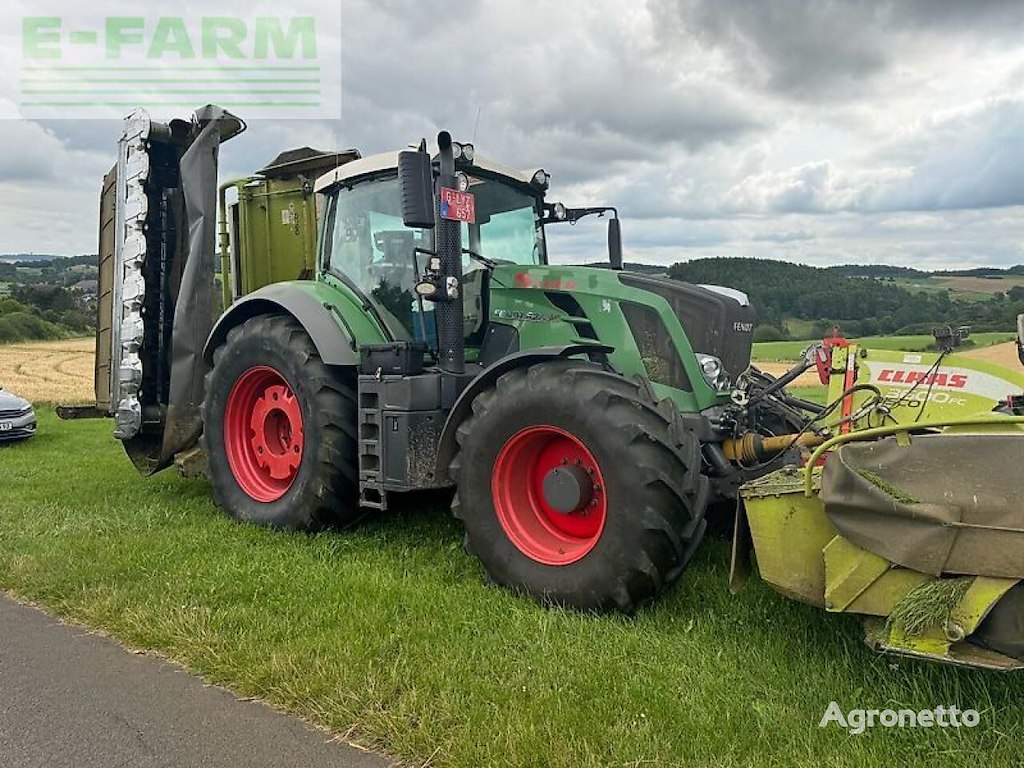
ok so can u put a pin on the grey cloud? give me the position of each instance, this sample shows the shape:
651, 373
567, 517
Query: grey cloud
790, 46
970, 160
597, 83
31, 153
831, 49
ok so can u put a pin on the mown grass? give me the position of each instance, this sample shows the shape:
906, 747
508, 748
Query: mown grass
388, 634
790, 350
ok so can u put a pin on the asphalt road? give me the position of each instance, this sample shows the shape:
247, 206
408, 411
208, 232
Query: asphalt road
70, 698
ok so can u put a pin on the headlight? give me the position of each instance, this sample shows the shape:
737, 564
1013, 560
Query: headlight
713, 371
541, 179
468, 152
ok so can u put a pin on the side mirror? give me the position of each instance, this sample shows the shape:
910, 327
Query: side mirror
615, 243
1020, 338
416, 181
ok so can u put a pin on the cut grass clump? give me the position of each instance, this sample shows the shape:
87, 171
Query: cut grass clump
880, 482
927, 605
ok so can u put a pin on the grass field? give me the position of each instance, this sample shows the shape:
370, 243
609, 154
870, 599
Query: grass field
790, 350
388, 636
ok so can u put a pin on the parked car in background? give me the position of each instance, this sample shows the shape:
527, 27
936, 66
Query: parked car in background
17, 419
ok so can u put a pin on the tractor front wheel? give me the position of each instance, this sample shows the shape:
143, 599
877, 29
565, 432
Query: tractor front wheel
574, 487
279, 429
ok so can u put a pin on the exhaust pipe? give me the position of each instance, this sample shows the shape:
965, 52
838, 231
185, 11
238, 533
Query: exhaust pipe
450, 341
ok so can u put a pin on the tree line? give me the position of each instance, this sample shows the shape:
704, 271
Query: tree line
860, 306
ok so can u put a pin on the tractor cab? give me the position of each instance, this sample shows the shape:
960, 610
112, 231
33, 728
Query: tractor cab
365, 244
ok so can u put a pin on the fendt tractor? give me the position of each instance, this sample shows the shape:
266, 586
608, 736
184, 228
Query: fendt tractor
393, 323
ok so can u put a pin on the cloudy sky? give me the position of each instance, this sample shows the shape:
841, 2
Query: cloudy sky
818, 132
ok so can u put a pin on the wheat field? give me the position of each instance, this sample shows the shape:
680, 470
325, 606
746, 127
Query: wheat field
49, 371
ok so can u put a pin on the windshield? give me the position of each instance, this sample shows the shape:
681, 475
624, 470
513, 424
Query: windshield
367, 243
507, 226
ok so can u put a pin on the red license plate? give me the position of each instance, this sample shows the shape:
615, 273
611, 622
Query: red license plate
458, 206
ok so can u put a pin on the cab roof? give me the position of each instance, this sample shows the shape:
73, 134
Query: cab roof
385, 161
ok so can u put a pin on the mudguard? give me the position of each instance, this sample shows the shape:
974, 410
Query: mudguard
333, 339
463, 405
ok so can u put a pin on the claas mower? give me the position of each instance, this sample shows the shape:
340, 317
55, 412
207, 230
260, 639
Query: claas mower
335, 331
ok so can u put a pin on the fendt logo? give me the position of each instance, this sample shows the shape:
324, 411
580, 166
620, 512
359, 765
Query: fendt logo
76, 62
900, 376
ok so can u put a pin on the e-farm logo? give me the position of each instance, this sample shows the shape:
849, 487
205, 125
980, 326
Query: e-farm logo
89, 65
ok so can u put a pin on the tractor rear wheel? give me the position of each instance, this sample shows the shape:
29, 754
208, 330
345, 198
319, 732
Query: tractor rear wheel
576, 488
279, 429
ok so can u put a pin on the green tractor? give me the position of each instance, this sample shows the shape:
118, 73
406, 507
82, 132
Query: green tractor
392, 323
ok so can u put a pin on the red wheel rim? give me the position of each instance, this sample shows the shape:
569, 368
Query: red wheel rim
263, 433
534, 526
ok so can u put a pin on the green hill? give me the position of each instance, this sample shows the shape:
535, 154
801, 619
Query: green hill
796, 300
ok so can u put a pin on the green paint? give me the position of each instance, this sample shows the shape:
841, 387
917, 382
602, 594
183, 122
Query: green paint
600, 294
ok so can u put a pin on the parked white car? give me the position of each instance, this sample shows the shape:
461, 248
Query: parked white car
17, 419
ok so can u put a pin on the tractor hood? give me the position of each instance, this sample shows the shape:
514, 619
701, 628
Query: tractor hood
718, 321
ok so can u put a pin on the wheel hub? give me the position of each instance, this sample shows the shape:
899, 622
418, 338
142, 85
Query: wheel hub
273, 437
263, 434
549, 495
568, 489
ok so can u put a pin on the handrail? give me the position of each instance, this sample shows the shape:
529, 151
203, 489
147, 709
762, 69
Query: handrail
895, 429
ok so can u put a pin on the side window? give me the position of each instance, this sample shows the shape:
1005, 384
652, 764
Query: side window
371, 247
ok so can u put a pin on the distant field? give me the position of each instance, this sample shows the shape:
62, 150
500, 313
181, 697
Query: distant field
790, 350
963, 288
49, 371
802, 329
980, 284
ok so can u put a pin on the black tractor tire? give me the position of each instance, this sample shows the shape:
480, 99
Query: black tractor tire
264, 358
653, 500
